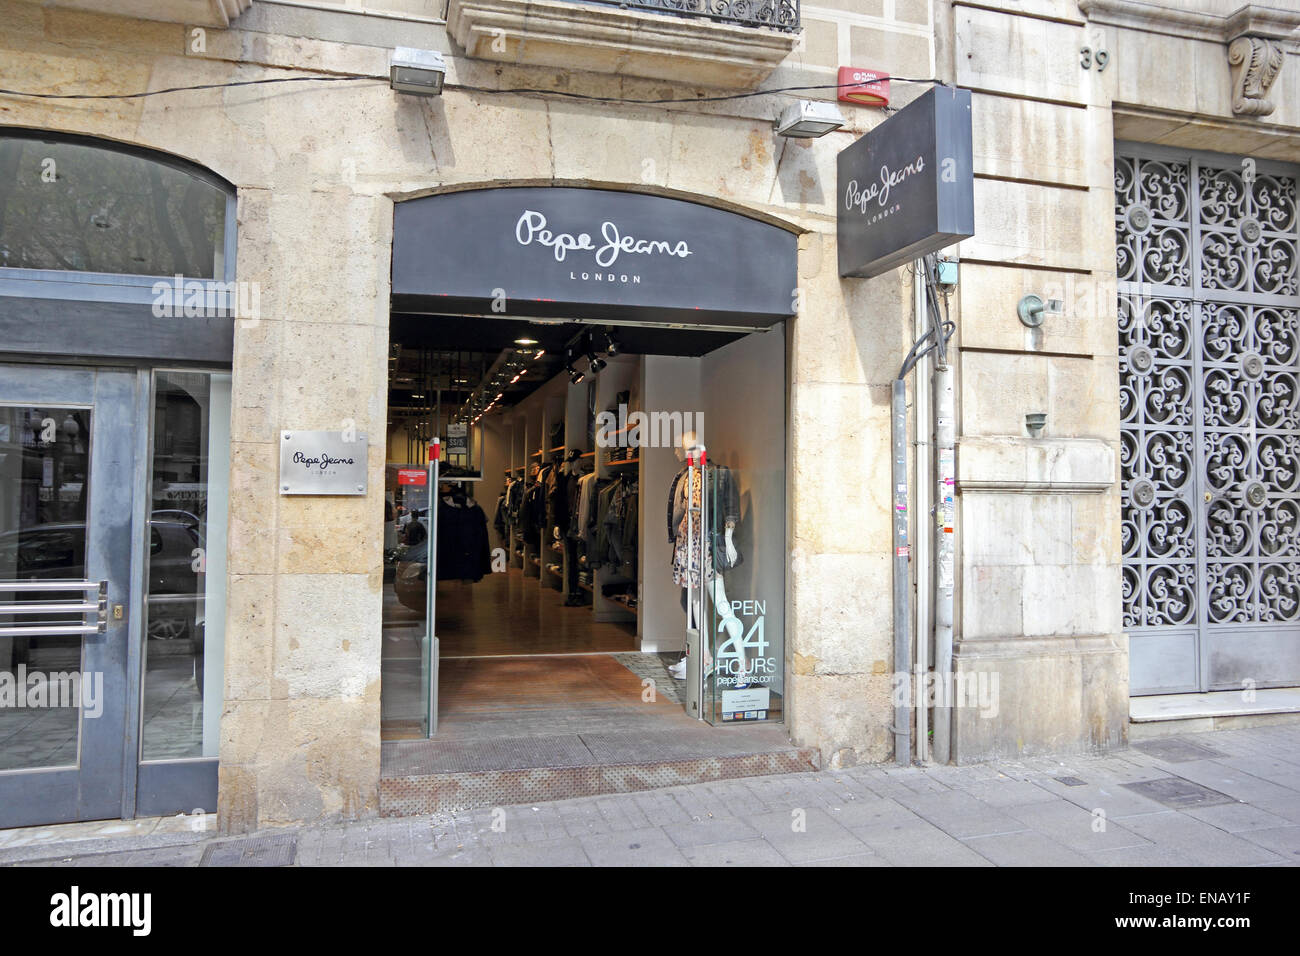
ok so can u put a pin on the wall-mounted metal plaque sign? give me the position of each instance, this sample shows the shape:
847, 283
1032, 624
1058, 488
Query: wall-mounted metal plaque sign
322, 463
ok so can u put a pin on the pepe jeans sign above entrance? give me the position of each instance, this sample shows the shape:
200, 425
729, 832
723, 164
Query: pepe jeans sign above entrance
322, 463
907, 188
590, 253
532, 226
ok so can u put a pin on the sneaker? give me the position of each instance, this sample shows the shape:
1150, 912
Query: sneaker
742, 680
678, 670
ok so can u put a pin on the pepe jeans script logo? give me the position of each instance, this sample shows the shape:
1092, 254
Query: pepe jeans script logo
323, 462
531, 228
860, 198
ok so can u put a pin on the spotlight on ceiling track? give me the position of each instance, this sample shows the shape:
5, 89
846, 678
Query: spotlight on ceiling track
612, 347
574, 375
596, 363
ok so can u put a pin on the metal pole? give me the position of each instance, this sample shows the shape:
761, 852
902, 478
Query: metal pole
944, 530
430, 574
695, 631
921, 429
902, 584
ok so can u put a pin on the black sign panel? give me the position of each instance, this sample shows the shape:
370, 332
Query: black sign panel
590, 253
907, 187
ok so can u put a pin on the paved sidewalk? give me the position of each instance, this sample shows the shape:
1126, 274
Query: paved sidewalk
1224, 798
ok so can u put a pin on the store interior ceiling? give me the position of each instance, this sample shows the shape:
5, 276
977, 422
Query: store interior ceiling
454, 354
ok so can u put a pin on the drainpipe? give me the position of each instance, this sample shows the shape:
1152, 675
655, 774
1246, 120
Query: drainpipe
944, 521
922, 428
902, 584
934, 339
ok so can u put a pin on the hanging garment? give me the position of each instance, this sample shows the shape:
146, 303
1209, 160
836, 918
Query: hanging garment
463, 553
556, 497
587, 501
533, 511
572, 489
598, 556
617, 533
499, 522
631, 521
516, 501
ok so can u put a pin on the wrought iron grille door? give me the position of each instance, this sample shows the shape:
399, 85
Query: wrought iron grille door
1209, 340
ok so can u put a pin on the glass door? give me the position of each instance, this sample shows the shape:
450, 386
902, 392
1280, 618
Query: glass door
67, 469
744, 588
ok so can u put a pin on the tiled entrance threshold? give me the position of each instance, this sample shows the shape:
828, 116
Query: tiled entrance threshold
1220, 710
529, 729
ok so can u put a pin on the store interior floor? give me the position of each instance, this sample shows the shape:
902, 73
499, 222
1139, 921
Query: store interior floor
558, 590
507, 613
515, 660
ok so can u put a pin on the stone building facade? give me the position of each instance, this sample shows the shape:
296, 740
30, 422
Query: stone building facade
317, 168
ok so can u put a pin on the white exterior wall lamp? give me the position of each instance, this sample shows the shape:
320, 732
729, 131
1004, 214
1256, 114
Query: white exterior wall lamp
420, 72
809, 119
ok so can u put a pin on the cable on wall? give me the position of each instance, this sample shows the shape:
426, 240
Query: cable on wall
514, 91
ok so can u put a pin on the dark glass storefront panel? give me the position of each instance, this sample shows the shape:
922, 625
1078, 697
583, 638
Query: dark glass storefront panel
185, 594
44, 487
745, 569
81, 208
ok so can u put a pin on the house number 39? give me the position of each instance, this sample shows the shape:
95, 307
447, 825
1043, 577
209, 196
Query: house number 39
1087, 57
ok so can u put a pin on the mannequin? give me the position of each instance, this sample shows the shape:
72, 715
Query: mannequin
729, 623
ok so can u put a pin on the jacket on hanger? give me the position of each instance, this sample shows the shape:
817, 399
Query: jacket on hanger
462, 553
616, 531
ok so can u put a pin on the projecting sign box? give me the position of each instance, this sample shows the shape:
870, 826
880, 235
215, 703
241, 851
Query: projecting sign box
322, 463
906, 189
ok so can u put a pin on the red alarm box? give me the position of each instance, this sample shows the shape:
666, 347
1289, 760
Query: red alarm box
863, 87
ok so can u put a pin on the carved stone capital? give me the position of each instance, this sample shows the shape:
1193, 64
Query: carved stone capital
1255, 62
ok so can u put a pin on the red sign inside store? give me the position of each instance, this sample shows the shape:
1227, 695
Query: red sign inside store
412, 476
863, 87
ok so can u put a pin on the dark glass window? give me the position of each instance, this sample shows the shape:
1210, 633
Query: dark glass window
83, 208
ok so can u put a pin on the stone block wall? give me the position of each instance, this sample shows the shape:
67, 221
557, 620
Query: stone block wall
1038, 586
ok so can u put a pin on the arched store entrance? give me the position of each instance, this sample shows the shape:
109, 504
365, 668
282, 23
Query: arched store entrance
605, 374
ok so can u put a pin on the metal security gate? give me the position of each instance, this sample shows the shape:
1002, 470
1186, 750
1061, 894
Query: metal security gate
1210, 405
